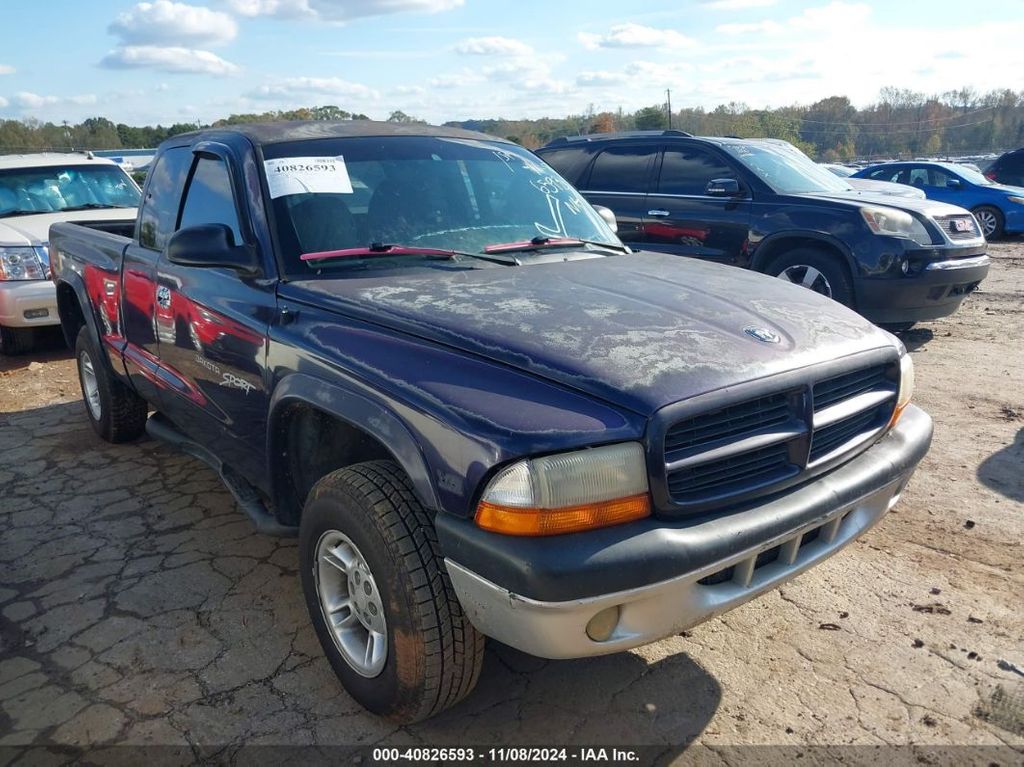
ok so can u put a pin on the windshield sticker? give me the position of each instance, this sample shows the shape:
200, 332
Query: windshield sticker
307, 175
551, 187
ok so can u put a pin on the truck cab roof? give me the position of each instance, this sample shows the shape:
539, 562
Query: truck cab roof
282, 132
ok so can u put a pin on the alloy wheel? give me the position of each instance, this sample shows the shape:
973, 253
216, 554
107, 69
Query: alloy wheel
808, 277
351, 603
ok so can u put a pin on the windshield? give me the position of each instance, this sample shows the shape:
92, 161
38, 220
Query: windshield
786, 169
456, 195
971, 175
63, 187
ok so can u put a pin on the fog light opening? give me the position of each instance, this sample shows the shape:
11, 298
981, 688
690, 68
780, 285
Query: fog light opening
602, 626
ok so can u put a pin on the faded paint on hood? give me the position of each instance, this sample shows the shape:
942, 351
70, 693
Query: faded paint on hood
641, 331
35, 229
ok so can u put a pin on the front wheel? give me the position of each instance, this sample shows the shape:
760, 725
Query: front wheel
117, 413
15, 340
991, 221
379, 596
816, 270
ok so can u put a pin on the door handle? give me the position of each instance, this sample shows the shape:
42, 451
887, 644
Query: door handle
658, 212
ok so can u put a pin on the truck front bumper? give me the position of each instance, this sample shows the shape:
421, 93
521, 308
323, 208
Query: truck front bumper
28, 303
727, 560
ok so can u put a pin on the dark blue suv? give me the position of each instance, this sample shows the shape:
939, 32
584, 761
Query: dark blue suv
764, 205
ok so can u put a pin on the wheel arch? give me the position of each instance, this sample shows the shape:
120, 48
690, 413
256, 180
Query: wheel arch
316, 427
774, 245
74, 309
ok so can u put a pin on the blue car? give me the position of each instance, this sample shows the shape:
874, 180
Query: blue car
999, 209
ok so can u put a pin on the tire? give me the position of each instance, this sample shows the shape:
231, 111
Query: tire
825, 272
991, 221
367, 518
117, 413
896, 327
15, 341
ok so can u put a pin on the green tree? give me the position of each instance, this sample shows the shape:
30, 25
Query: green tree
651, 118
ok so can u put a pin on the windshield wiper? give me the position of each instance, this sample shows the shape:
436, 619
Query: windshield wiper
376, 250
12, 213
538, 243
93, 206
381, 249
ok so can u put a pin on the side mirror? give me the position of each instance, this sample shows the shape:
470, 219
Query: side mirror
722, 187
210, 245
608, 216
953, 183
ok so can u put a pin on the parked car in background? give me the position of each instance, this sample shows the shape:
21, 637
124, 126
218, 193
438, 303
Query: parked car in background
37, 190
763, 204
481, 413
867, 185
1008, 168
998, 208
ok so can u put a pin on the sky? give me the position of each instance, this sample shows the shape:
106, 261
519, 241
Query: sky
164, 61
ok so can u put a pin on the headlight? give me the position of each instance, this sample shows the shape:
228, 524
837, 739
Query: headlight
22, 263
895, 223
906, 387
1018, 200
566, 493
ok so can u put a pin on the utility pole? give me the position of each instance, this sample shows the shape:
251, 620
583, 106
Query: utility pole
668, 94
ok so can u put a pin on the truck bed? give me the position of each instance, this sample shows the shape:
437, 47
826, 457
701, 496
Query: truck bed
98, 243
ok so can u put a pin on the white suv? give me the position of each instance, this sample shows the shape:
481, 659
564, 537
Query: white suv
37, 190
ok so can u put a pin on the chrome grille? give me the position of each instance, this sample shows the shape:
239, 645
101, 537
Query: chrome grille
766, 443
727, 422
959, 226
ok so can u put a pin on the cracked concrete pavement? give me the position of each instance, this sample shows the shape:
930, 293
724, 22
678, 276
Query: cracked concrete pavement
139, 607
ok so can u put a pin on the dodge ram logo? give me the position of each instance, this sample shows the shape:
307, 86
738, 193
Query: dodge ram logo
762, 334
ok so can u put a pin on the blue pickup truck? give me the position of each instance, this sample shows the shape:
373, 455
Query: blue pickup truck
422, 352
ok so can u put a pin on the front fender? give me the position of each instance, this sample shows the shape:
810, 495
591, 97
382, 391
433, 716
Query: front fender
362, 413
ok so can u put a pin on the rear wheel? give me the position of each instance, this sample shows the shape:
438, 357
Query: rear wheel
379, 596
117, 413
816, 270
991, 221
16, 340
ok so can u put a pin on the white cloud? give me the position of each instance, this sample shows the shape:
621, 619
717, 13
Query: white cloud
454, 80
166, 22
599, 78
6, 70
737, 5
174, 59
635, 36
493, 46
337, 10
767, 27
29, 100
4, 102
288, 88
837, 17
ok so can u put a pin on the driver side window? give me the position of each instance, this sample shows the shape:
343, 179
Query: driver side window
209, 198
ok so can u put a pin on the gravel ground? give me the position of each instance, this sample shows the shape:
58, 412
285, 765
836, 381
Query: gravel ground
138, 607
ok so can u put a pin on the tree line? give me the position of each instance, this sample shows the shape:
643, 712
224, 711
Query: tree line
900, 123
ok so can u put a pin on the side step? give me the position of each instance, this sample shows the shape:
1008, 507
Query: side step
248, 499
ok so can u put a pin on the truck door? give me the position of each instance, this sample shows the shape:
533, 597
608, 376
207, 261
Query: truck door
619, 179
684, 218
214, 323
139, 310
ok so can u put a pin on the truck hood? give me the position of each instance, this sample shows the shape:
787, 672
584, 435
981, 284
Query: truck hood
640, 331
35, 229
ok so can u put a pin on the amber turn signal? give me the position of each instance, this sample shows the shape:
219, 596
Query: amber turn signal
510, 520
